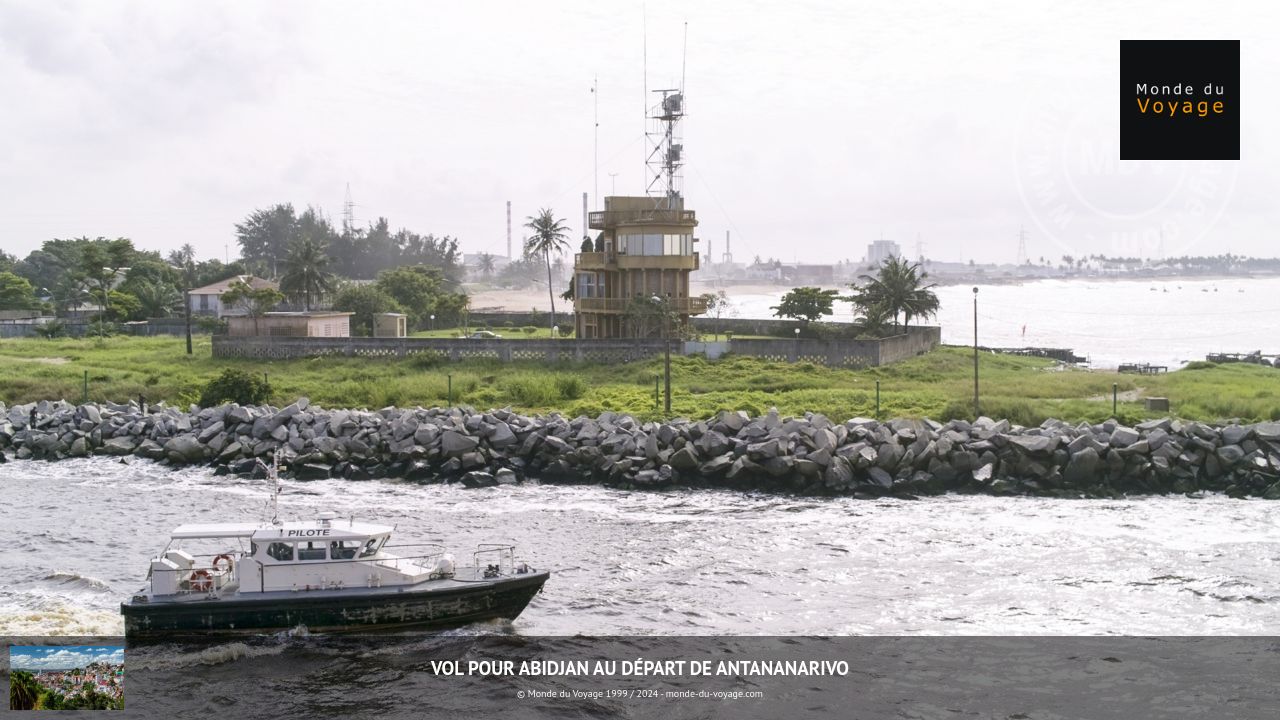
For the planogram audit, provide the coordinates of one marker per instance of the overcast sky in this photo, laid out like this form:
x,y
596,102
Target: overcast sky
x,y
813,127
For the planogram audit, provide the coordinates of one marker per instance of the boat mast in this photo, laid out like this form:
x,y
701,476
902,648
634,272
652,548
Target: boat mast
x,y
274,474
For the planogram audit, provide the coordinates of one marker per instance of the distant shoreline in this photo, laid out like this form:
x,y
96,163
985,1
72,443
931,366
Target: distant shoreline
x,y
498,300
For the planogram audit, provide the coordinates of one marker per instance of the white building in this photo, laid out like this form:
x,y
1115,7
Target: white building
x,y
880,250
207,300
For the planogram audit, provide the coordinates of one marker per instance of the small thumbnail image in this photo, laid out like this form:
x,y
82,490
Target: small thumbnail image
x,y
66,677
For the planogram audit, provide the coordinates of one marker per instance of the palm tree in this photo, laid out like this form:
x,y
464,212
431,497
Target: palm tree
x,y
186,255
158,300
486,264
306,272
23,690
549,235
896,290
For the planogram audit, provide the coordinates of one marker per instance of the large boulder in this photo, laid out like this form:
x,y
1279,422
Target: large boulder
x,y
1082,467
455,444
184,449
121,445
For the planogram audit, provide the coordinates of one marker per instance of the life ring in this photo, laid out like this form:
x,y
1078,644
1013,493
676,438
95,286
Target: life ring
x,y
230,562
201,581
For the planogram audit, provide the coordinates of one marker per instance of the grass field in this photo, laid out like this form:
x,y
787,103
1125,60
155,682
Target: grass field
x,y
937,385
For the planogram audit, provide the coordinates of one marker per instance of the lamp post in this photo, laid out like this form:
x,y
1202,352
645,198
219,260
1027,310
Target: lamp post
x,y
976,412
666,354
433,323
796,347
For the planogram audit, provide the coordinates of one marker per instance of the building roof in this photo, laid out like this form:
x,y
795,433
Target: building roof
x,y
222,286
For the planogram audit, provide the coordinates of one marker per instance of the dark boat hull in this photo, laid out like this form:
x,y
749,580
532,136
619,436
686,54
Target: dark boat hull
x,y
349,610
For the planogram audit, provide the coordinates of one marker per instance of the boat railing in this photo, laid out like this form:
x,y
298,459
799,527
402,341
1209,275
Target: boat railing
x,y
491,552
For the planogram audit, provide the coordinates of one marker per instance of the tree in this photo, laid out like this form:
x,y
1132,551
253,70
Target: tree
x,y
16,293
420,291
365,301
549,236
23,690
264,236
255,302
7,261
806,304
897,289
717,306
649,315
183,256
306,274
122,306
100,265
156,300
486,264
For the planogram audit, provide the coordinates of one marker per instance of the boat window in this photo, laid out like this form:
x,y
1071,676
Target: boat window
x,y
280,551
343,549
371,547
311,552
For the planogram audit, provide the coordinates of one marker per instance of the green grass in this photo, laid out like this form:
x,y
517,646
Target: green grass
x,y
937,385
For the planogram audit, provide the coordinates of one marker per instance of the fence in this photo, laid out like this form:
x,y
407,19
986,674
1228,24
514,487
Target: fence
x,y
80,329
836,353
280,348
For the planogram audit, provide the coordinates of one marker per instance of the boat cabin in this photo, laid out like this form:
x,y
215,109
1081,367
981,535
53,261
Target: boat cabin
x,y
325,553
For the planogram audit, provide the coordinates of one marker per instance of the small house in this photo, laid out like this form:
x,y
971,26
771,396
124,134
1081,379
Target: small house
x,y
393,325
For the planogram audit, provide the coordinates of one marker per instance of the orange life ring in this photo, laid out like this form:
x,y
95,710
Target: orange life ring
x,y
201,581
220,558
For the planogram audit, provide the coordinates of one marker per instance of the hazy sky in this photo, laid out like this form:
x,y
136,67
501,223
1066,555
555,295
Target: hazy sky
x,y
813,127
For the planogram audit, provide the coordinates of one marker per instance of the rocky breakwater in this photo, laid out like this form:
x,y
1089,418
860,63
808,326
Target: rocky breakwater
x,y
809,454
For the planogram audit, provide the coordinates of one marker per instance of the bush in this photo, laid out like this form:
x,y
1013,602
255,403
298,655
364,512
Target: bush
x,y
50,330
1200,365
570,387
236,386
211,325
101,328
528,330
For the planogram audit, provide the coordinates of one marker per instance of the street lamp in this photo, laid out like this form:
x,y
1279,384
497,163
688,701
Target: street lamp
x,y
666,353
976,413
796,350
433,323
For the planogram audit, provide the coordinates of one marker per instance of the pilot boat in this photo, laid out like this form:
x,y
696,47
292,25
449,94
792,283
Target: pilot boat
x,y
327,574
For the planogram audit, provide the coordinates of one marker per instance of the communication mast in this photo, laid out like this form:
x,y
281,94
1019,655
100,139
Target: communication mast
x,y
1022,246
348,213
666,148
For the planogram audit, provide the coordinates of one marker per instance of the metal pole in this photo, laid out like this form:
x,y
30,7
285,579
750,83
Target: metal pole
x,y
85,393
666,369
877,399
188,316
450,377
976,411
657,393
1115,398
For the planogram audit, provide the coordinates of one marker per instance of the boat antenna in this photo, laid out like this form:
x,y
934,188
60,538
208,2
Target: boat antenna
x,y
274,475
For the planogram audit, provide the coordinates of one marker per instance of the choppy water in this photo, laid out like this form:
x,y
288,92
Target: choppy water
x,y
1163,322
78,533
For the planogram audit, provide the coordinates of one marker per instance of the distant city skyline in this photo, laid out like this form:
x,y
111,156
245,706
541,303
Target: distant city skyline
x,y
817,127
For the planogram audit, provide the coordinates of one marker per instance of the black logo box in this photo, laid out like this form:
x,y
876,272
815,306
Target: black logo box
x,y
1191,65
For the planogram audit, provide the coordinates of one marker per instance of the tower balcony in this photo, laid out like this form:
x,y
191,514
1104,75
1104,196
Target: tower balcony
x,y
615,261
680,305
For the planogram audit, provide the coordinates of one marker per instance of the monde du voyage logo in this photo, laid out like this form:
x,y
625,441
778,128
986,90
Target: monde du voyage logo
x,y
1179,99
